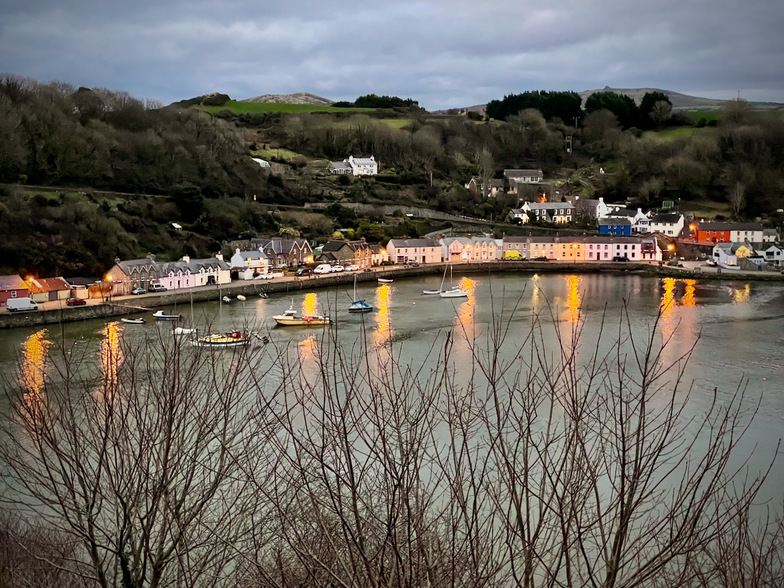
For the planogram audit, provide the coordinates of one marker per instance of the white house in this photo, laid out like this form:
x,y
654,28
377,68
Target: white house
x,y
519,216
550,212
357,166
729,255
770,236
670,224
188,273
256,261
420,250
774,254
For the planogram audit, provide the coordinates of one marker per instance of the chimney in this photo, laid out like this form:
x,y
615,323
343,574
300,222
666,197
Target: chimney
x,y
151,256
219,256
186,258
116,260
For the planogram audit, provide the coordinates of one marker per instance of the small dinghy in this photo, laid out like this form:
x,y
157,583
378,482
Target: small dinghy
x,y
240,297
130,321
226,300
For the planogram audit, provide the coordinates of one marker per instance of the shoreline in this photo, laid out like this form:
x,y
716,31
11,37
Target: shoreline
x,y
126,306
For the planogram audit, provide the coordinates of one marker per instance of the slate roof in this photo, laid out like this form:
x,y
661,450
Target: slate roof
x,y
616,221
398,243
666,219
729,226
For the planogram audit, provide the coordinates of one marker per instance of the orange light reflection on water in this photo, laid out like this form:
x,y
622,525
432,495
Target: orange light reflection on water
x,y
310,304
383,331
688,296
668,297
741,295
573,299
111,355
465,312
308,348
32,372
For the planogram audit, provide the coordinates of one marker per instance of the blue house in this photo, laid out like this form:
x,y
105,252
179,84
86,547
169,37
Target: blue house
x,y
615,226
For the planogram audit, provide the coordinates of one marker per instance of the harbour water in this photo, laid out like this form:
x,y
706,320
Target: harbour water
x,y
738,328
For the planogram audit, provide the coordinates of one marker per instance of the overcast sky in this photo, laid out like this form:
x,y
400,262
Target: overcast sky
x,y
443,53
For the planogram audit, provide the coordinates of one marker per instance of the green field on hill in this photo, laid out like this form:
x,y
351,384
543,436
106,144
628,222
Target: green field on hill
x,y
261,107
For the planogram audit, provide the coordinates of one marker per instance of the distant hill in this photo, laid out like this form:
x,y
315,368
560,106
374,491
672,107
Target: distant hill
x,y
679,101
298,98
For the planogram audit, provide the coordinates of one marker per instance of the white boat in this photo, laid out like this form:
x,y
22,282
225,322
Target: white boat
x,y
359,305
130,321
240,297
183,331
224,340
226,300
162,316
454,291
384,280
440,288
290,318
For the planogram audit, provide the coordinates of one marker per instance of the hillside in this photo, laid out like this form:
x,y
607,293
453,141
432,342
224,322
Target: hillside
x,y
679,101
297,98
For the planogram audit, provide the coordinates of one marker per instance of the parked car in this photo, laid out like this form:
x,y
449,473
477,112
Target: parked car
x,y
620,258
352,268
674,263
412,263
323,268
137,291
337,269
156,288
710,262
75,302
540,258
267,276
303,271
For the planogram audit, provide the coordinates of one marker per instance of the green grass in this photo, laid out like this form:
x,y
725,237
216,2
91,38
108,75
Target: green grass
x,y
675,134
708,115
392,123
262,107
284,154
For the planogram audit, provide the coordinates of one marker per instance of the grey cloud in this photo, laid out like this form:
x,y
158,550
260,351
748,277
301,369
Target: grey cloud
x,y
443,53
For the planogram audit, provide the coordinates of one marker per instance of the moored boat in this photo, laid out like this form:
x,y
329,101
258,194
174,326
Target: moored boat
x,y
290,318
431,292
240,297
132,321
162,316
384,280
454,291
226,300
224,340
359,305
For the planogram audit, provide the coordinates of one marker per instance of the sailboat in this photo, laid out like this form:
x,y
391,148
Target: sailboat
x,y
359,305
454,291
439,290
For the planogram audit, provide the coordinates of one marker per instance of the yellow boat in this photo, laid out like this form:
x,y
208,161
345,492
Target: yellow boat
x,y
233,339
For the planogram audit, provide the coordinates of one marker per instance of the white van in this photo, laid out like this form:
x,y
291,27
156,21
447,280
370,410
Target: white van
x,y
21,304
323,268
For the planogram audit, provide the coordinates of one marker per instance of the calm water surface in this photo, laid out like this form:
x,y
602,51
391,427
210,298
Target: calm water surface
x,y
740,328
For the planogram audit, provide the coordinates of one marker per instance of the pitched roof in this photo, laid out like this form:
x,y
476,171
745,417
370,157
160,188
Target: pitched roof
x,y
667,218
729,226
616,220
516,173
12,283
398,243
39,285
